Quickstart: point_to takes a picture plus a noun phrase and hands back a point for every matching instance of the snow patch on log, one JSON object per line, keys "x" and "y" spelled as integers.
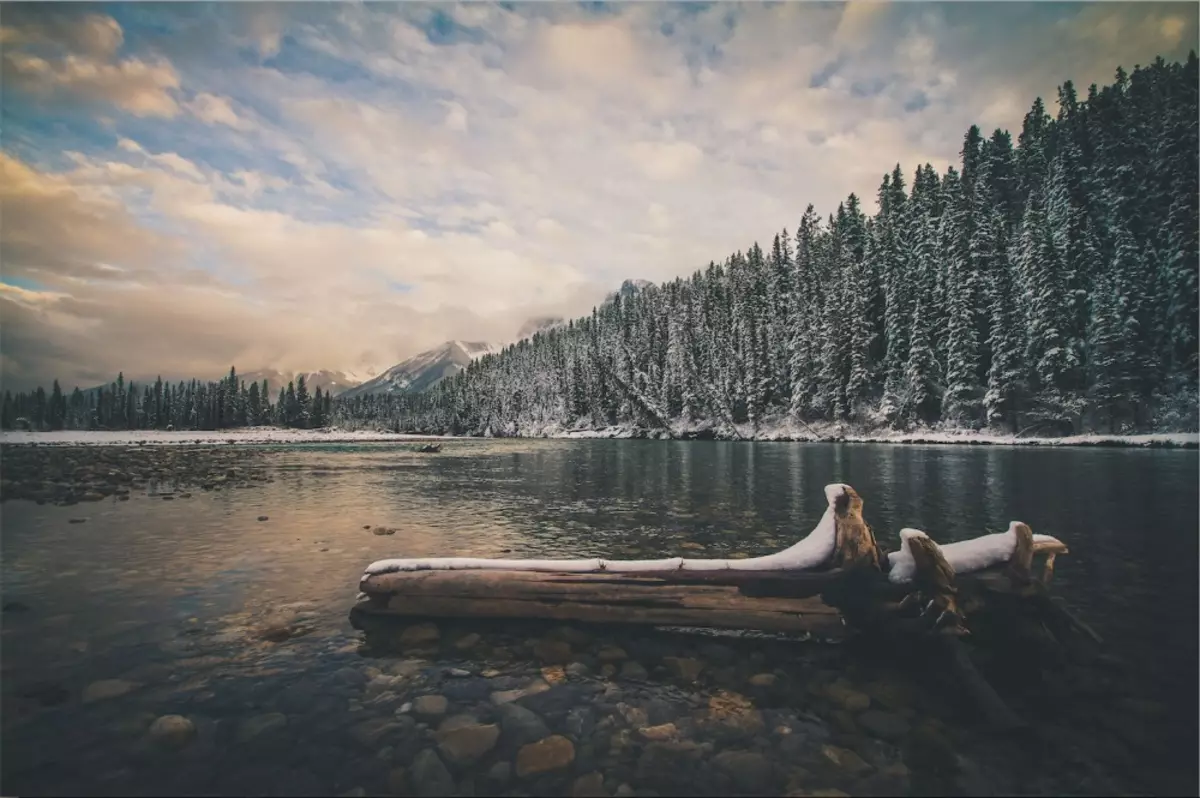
{"x": 811, "y": 552}
{"x": 965, "y": 556}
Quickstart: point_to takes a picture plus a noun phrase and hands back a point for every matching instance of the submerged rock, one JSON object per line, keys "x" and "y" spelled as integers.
{"x": 174, "y": 731}
{"x": 429, "y": 777}
{"x": 107, "y": 688}
{"x": 545, "y": 756}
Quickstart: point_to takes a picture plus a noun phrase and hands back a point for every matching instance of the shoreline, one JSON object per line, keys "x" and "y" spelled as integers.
{"x": 275, "y": 436}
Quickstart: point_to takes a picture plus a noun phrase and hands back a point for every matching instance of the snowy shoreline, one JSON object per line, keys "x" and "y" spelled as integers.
{"x": 279, "y": 436}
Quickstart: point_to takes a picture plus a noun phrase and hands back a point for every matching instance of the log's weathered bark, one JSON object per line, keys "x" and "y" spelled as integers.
{"x": 592, "y": 598}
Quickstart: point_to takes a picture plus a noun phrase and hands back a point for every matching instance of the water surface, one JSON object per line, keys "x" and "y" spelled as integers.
{"x": 172, "y": 596}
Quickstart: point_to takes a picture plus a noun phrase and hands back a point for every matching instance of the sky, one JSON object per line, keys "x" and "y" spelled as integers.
{"x": 339, "y": 186}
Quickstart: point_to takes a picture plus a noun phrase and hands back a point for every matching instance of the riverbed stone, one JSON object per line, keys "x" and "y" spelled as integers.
{"x": 429, "y": 777}
{"x": 580, "y": 723}
{"x": 172, "y": 731}
{"x": 885, "y": 725}
{"x": 106, "y": 689}
{"x": 842, "y": 694}
{"x": 545, "y": 756}
{"x": 844, "y": 760}
{"x": 632, "y": 669}
{"x": 520, "y": 725}
{"x": 611, "y": 653}
{"x": 763, "y": 680}
{"x": 661, "y": 761}
{"x": 430, "y": 706}
{"x": 663, "y": 731}
{"x": 590, "y": 785}
{"x": 259, "y": 725}
{"x": 749, "y": 770}
{"x": 465, "y": 745}
{"x": 467, "y": 641}
{"x": 421, "y": 634}
{"x": 552, "y": 652}
{"x": 686, "y": 669}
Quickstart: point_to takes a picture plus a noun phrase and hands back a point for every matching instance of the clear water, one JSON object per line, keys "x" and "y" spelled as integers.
{"x": 171, "y": 595}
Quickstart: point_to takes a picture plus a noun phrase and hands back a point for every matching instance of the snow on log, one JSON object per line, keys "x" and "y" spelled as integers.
{"x": 813, "y": 551}
{"x": 972, "y": 555}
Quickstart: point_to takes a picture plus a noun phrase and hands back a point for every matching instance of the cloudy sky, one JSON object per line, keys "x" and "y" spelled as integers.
{"x": 339, "y": 186}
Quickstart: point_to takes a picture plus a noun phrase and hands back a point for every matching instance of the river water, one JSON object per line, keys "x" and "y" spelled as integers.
{"x": 195, "y": 607}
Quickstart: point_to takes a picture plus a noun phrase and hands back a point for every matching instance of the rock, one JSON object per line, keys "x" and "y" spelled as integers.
{"x": 263, "y": 518}
{"x": 660, "y": 711}
{"x": 521, "y": 726}
{"x": 174, "y": 731}
{"x": 383, "y": 530}
{"x": 634, "y": 716}
{"x": 577, "y": 670}
{"x": 370, "y": 732}
{"x": 466, "y": 744}
{"x": 632, "y": 669}
{"x": 749, "y": 770}
{"x": 926, "y": 750}
{"x": 611, "y": 654}
{"x": 428, "y": 777}
{"x": 844, "y": 759}
{"x": 552, "y": 652}
{"x": 550, "y": 754}
{"x": 763, "y": 680}
{"x": 92, "y": 496}
{"x": 553, "y": 701}
{"x": 499, "y": 774}
{"x": 259, "y": 725}
{"x": 684, "y": 668}
{"x": 580, "y": 722}
{"x": 554, "y": 674}
{"x": 397, "y": 781}
{"x": 660, "y": 762}
{"x": 76, "y": 520}
{"x": 467, "y": 691}
{"x": 431, "y": 706}
{"x": 885, "y": 725}
{"x": 664, "y": 731}
{"x": 589, "y": 786}
{"x": 467, "y": 642}
{"x": 839, "y": 692}
{"x": 107, "y": 688}
{"x": 421, "y": 634}
{"x": 731, "y": 715}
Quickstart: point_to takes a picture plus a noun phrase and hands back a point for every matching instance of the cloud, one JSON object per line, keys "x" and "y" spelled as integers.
{"x": 84, "y": 66}
{"x": 278, "y": 170}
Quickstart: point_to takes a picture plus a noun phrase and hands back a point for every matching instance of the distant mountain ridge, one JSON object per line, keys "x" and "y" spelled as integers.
{"x": 422, "y": 372}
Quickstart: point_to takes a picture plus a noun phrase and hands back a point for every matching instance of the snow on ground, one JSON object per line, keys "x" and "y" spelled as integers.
{"x": 790, "y": 431}
{"x": 253, "y": 435}
{"x": 777, "y": 432}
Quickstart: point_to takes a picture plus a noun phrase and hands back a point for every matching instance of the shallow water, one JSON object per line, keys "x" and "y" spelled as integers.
{"x": 200, "y": 609}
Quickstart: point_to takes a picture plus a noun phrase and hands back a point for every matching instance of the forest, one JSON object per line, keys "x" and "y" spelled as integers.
{"x": 1046, "y": 285}
{"x": 222, "y": 404}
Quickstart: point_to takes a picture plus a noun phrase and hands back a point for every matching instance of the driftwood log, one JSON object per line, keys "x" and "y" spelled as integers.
{"x": 835, "y": 582}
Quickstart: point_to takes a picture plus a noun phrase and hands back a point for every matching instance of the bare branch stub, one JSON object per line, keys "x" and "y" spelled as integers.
{"x": 934, "y": 581}
{"x": 1021, "y": 561}
{"x": 855, "y": 545}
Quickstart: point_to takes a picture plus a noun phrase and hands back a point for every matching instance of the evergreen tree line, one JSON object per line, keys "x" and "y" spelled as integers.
{"x": 1048, "y": 284}
{"x": 221, "y": 404}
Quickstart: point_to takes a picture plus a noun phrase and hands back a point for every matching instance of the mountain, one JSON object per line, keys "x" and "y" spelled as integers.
{"x": 421, "y": 372}
{"x": 628, "y": 289}
{"x": 539, "y": 324}
{"x": 335, "y": 382}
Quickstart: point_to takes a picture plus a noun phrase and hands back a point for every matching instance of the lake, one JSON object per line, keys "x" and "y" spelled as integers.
{"x": 119, "y": 612}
